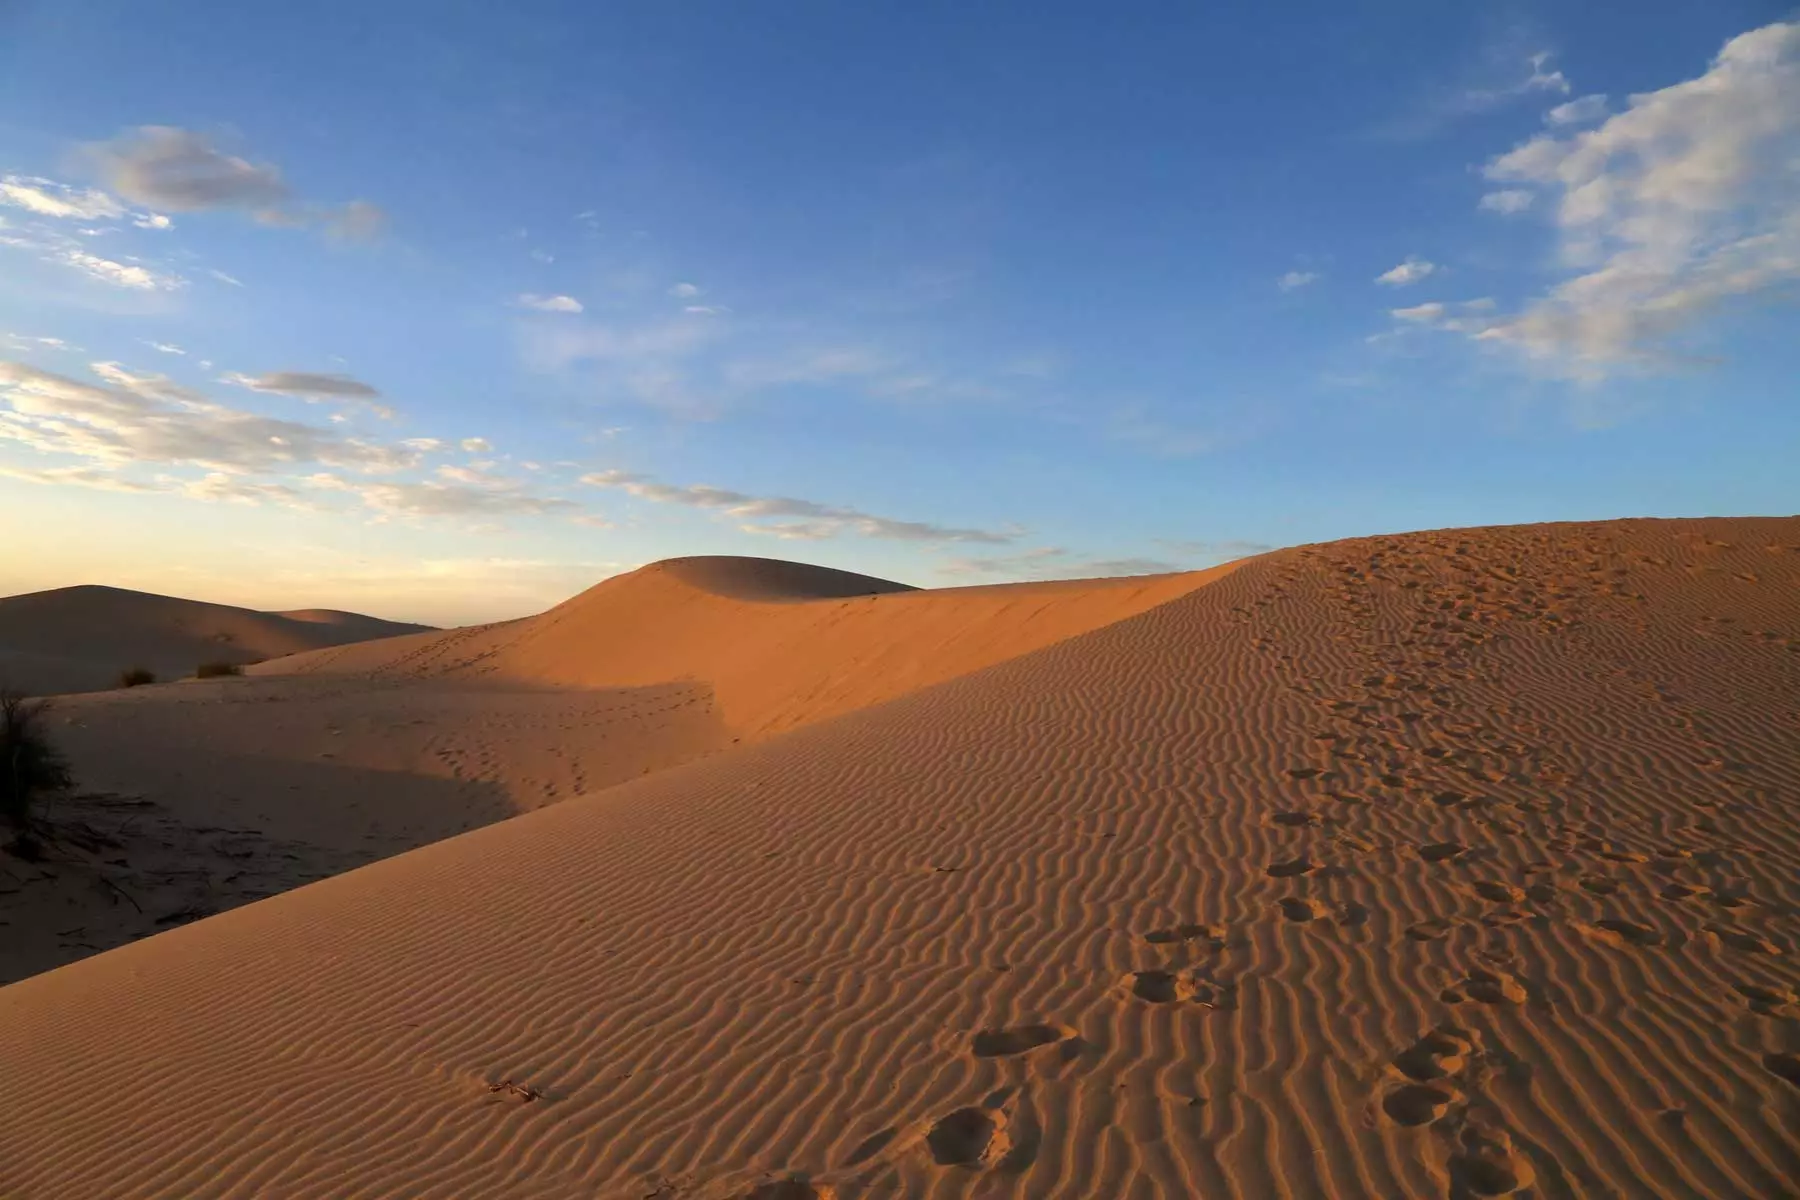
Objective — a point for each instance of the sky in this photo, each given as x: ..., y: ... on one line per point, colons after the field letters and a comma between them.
x: 447, y: 311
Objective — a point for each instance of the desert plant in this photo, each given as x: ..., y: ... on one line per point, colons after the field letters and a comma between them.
x: 213, y: 670
x: 30, y: 768
x: 136, y: 677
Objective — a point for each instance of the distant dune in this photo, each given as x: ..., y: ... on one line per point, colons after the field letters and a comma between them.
x: 1451, y: 864
x: 78, y: 639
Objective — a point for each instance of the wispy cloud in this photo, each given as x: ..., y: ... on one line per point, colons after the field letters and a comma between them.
x: 1409, y: 272
x: 470, y: 495
x: 133, y: 419
x: 1684, y: 203
x: 47, y: 198
x: 802, y: 519
x: 1577, y: 112
x: 1507, y: 201
x: 1296, y: 279
x: 314, y: 387
x: 549, y: 304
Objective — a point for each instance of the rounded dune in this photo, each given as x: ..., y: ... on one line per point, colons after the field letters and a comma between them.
x: 1282, y: 880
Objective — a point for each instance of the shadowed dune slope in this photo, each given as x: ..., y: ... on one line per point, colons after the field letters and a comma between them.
x: 778, y: 644
x: 77, y: 639
x: 1451, y: 864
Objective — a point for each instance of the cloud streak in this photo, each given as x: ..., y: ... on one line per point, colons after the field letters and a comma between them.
x: 796, y: 518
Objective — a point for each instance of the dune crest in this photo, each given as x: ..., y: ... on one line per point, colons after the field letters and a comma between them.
x: 78, y: 639
x: 1452, y: 864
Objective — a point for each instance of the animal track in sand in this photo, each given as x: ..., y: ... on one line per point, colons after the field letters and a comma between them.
x: 1441, y: 851
x: 1291, y: 868
x: 1293, y: 820
x: 1600, y: 885
x: 1295, y: 908
x: 1431, y: 929
x: 1503, y: 893
x: 1018, y: 1039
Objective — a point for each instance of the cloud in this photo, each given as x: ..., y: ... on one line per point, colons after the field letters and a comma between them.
x: 47, y: 198
x: 222, y: 277
x: 1577, y: 112
x: 1422, y: 313
x: 132, y: 276
x: 306, y: 384
x: 549, y: 304
x: 1682, y: 204
x: 475, y: 445
x: 487, y: 497
x: 87, y: 477
x: 685, y: 291
x: 1408, y: 272
x: 1296, y: 279
x: 805, y: 519
x: 1507, y: 201
x: 135, y: 419
x: 166, y: 348
x: 705, y: 310
x: 1220, y: 551
x: 1051, y: 562
x: 1506, y: 72
x: 182, y: 171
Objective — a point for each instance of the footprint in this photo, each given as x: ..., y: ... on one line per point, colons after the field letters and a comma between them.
x: 1186, y: 933
x: 790, y: 1189
x: 1441, y: 851
x: 1599, y: 885
x: 1504, y: 893
x: 1303, y: 772
x: 1487, y: 987
x: 1631, y: 932
x: 1737, y: 939
x: 1430, y: 930
x: 1770, y: 1002
x: 969, y: 1137
x: 1291, y: 868
x: 1019, y: 1039
x: 1172, y: 987
x: 1439, y: 1054
x: 1293, y: 819
x: 1297, y: 909
x: 1417, y: 1103
x: 1488, y: 1165
x: 1683, y: 891
x: 1785, y: 1065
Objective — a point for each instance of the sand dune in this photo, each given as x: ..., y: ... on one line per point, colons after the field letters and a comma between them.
x: 78, y: 639
x: 1448, y: 864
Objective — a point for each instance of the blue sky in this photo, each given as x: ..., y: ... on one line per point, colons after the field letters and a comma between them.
x: 446, y: 312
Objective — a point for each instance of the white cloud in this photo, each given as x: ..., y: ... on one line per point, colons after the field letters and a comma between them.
x: 166, y: 348
x: 222, y: 277
x: 477, y: 445
x: 132, y: 276
x: 1296, y: 279
x: 1577, y: 112
x: 1507, y: 201
x: 705, y: 310
x: 805, y: 519
x: 549, y: 304
x: 543, y: 256
x: 1051, y: 562
x: 1422, y: 313
x: 152, y: 221
x: 140, y: 419
x: 1683, y: 203
x: 432, y: 498
x: 47, y: 198
x: 685, y: 291
x: 1408, y: 272
x: 307, y: 384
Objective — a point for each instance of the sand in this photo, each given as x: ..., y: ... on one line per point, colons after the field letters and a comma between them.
x: 79, y: 639
x: 1447, y: 864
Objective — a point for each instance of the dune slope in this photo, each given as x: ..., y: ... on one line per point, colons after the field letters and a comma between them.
x: 1452, y: 864
x: 78, y: 639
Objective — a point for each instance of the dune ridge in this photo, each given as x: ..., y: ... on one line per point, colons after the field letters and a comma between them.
x: 1449, y: 864
x: 78, y: 639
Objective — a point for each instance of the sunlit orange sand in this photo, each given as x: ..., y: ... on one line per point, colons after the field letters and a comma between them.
x: 1460, y: 863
